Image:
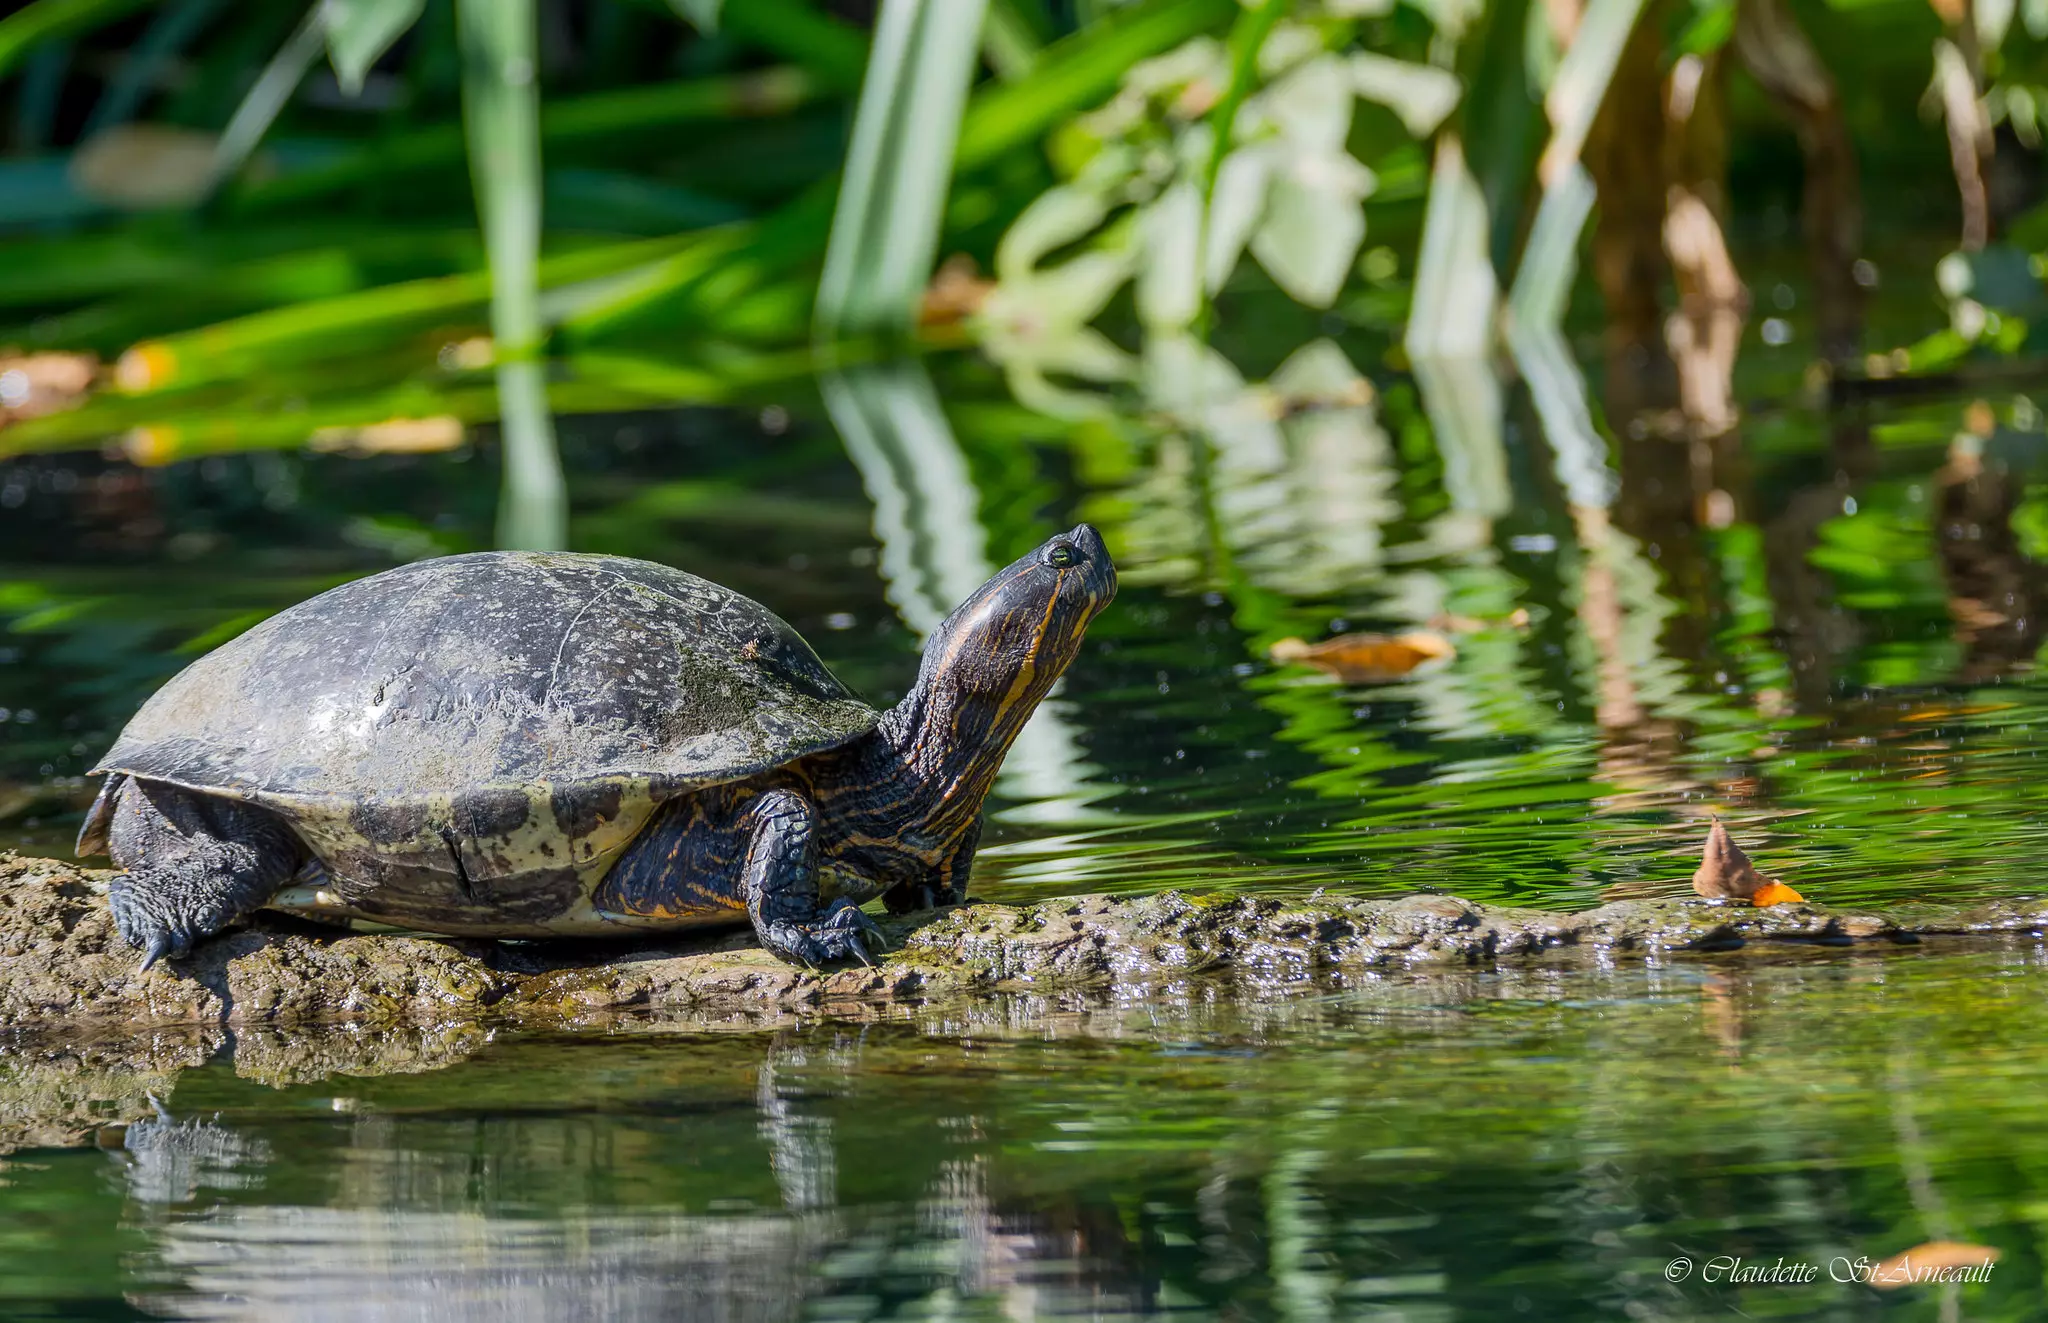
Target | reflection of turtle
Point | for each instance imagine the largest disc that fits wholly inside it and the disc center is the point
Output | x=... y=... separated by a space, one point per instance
x=525 y=744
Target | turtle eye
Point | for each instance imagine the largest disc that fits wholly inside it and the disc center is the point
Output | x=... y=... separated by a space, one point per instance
x=1060 y=555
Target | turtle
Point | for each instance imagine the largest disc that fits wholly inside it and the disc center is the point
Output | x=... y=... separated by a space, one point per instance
x=530 y=744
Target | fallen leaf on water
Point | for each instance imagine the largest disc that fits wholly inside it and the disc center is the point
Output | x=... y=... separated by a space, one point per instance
x=1366 y=658
x=1905 y=1267
x=1725 y=873
x=1774 y=892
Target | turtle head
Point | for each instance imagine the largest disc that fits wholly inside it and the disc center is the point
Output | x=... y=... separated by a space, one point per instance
x=994 y=658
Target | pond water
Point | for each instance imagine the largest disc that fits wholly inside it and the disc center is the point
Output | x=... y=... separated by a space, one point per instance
x=1824 y=628
x=1454 y=1147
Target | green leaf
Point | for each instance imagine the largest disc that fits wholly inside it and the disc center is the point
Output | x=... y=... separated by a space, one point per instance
x=1055 y=218
x=50 y=20
x=1309 y=238
x=1235 y=205
x=1422 y=95
x=359 y=31
x=1169 y=291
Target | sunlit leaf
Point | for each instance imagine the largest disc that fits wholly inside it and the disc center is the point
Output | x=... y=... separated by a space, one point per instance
x=1169 y=288
x=1420 y=94
x=1055 y=218
x=1310 y=235
x=1311 y=106
x=1319 y=373
x=1234 y=210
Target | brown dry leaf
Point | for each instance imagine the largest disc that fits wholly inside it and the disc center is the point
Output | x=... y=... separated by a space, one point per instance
x=956 y=293
x=1905 y=1267
x=1725 y=873
x=1366 y=658
x=141 y=167
x=32 y=385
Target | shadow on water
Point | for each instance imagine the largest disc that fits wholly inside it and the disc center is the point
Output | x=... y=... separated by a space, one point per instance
x=1471 y=1146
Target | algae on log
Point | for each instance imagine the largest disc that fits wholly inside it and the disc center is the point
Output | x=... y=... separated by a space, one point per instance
x=62 y=967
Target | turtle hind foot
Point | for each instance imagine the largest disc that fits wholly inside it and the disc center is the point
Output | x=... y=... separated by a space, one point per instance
x=843 y=934
x=151 y=918
x=193 y=865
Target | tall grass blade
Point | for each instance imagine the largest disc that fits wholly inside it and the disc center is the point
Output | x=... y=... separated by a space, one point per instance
x=501 y=111
x=365 y=319
x=274 y=87
x=1078 y=71
x=1013 y=35
x=885 y=230
x=49 y=20
x=359 y=31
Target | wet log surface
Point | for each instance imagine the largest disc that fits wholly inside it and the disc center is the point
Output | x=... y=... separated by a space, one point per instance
x=63 y=969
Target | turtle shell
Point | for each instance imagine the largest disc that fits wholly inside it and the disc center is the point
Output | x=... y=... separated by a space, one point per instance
x=484 y=718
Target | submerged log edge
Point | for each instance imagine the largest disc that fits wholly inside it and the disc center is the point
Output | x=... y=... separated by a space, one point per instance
x=63 y=968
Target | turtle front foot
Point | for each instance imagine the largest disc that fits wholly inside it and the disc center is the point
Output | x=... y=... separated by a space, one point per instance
x=842 y=934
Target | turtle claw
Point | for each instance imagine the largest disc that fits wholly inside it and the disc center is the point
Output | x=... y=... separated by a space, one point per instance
x=836 y=937
x=159 y=947
x=142 y=924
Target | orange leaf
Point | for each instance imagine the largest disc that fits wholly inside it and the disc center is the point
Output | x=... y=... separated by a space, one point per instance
x=1366 y=658
x=1774 y=893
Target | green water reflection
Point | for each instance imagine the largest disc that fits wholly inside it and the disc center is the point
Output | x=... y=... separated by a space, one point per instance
x=1479 y=1146
x=1824 y=627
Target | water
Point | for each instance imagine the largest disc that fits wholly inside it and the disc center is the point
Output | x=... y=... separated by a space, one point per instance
x=1792 y=629
x=1456 y=1147
x=1825 y=629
